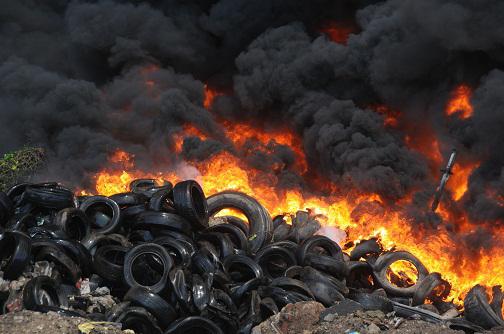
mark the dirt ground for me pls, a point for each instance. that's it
(301, 318)
(28, 322)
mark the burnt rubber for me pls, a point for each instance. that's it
(478, 310)
(260, 223)
(15, 247)
(104, 214)
(158, 283)
(190, 202)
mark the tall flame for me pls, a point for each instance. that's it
(359, 215)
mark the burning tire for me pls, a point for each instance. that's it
(479, 311)
(261, 225)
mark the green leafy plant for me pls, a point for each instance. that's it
(18, 165)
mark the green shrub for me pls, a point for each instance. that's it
(19, 165)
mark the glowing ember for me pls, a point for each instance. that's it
(460, 102)
(338, 32)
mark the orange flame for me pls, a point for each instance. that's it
(210, 95)
(459, 179)
(460, 102)
(359, 215)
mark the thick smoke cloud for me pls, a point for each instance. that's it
(83, 78)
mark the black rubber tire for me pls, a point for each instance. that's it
(220, 241)
(190, 202)
(329, 265)
(139, 185)
(380, 272)
(161, 220)
(265, 256)
(193, 325)
(74, 249)
(51, 196)
(139, 320)
(73, 222)
(181, 288)
(242, 263)
(331, 247)
(260, 223)
(115, 219)
(365, 248)
(157, 306)
(373, 302)
(161, 200)
(94, 241)
(109, 268)
(32, 293)
(128, 199)
(153, 249)
(68, 269)
(200, 292)
(291, 284)
(236, 234)
(6, 208)
(239, 291)
(16, 191)
(427, 289)
(179, 250)
(238, 222)
(16, 246)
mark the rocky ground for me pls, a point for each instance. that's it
(300, 318)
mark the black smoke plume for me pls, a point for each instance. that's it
(73, 80)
